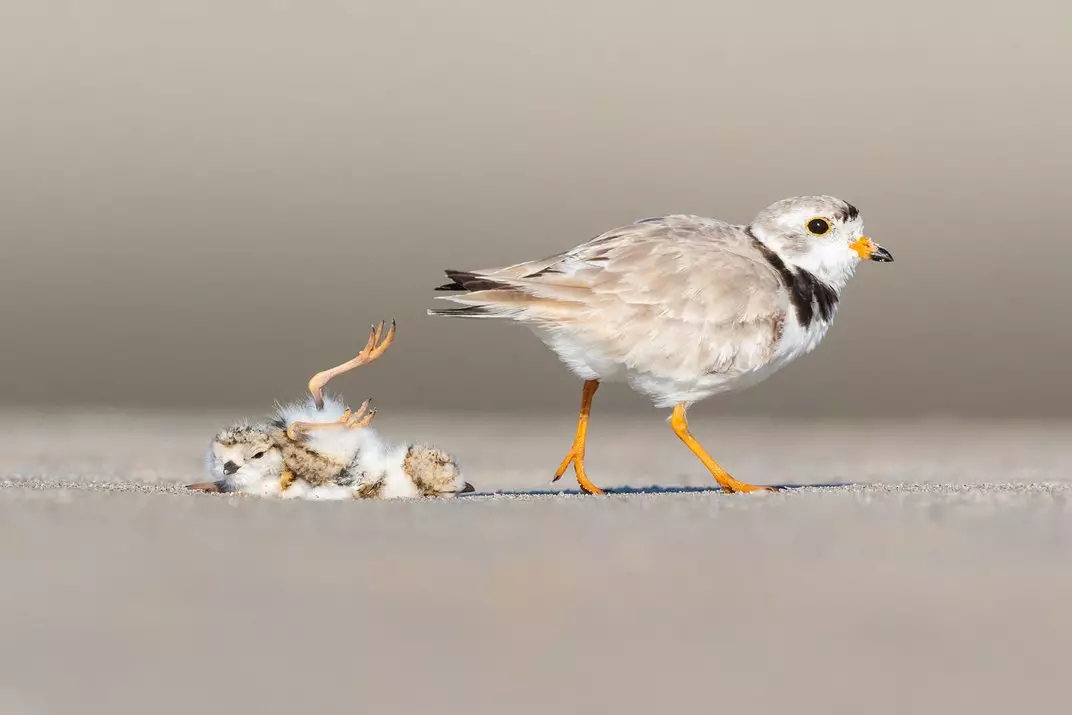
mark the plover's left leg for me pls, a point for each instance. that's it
(576, 454)
(681, 429)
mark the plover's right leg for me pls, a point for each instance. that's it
(681, 428)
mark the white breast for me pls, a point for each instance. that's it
(799, 340)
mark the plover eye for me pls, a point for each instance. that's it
(818, 226)
(258, 455)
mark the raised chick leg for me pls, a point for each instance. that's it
(298, 431)
(681, 428)
(377, 343)
(576, 454)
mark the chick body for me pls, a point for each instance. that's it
(337, 462)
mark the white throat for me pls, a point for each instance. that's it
(833, 264)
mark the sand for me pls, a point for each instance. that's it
(932, 574)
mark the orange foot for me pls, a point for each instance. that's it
(681, 428)
(576, 458)
(576, 454)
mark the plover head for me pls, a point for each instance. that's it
(244, 456)
(823, 235)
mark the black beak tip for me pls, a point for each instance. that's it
(230, 468)
(882, 256)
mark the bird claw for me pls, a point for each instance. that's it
(360, 419)
(576, 458)
(299, 431)
(378, 342)
(748, 488)
(364, 421)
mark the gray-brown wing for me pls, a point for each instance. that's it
(688, 292)
(681, 263)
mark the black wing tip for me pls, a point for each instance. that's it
(456, 280)
(469, 282)
(469, 311)
(450, 286)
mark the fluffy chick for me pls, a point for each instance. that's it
(336, 462)
(318, 449)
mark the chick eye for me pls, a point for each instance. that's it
(258, 455)
(818, 226)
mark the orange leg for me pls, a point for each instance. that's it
(576, 454)
(681, 429)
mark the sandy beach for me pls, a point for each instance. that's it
(932, 574)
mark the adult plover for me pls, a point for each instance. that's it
(680, 307)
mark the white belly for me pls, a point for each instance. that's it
(669, 388)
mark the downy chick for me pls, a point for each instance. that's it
(320, 449)
(344, 463)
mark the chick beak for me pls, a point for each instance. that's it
(868, 250)
(206, 487)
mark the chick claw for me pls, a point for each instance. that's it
(299, 431)
(360, 419)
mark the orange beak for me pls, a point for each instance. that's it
(868, 250)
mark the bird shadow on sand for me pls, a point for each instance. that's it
(653, 489)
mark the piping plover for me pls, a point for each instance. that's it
(320, 449)
(680, 307)
(343, 463)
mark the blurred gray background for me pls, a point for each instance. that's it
(202, 203)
